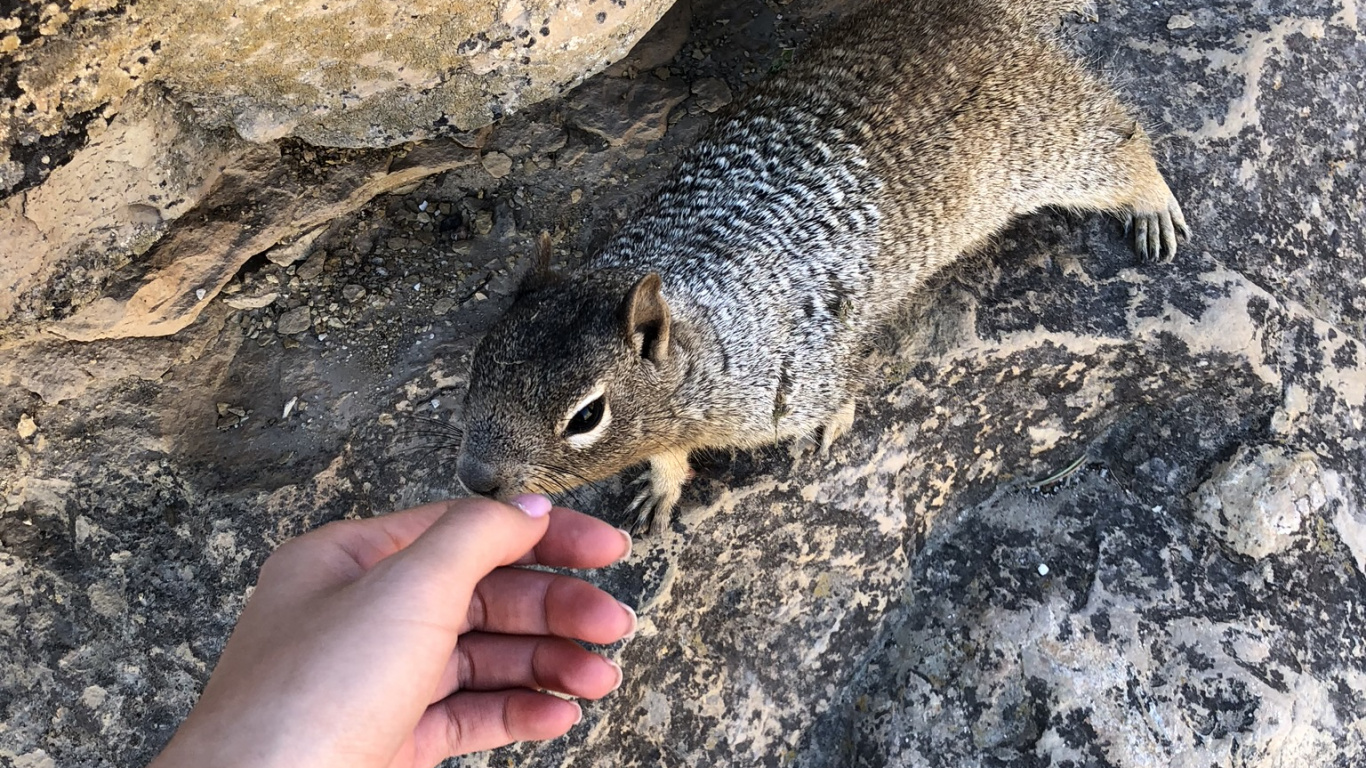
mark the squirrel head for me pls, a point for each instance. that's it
(573, 384)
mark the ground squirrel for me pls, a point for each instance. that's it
(735, 308)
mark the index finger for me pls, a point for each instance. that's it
(573, 539)
(576, 540)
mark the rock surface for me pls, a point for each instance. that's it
(341, 74)
(117, 119)
(1099, 513)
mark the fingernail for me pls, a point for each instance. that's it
(635, 620)
(534, 504)
(578, 719)
(626, 536)
(620, 675)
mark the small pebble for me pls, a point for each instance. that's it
(483, 222)
(1043, 569)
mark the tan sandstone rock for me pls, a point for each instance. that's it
(344, 73)
(127, 117)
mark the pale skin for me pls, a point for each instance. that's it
(401, 640)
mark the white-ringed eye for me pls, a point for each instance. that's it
(586, 421)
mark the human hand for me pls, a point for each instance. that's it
(402, 640)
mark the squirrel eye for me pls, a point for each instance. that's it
(586, 419)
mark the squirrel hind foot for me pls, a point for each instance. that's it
(1155, 232)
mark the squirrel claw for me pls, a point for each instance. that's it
(650, 509)
(644, 512)
(1155, 232)
(801, 446)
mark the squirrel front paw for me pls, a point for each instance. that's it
(833, 429)
(668, 473)
(836, 426)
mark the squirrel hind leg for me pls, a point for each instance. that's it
(1112, 169)
(1134, 189)
(653, 506)
(1150, 210)
(1155, 231)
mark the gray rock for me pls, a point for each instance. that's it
(624, 111)
(658, 46)
(530, 139)
(483, 222)
(252, 302)
(1180, 21)
(286, 254)
(313, 267)
(711, 93)
(263, 206)
(1259, 501)
(294, 321)
(443, 305)
(497, 164)
(27, 427)
(125, 121)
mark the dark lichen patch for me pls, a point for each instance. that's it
(43, 154)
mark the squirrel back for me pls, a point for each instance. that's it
(735, 308)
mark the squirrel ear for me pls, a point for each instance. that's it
(645, 318)
(541, 275)
(541, 266)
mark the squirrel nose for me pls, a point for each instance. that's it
(478, 476)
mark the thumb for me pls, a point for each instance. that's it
(473, 537)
